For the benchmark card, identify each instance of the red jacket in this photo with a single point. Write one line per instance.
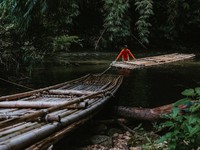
(125, 54)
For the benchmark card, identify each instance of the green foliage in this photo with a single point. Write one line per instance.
(116, 20)
(39, 21)
(181, 17)
(184, 129)
(28, 57)
(145, 10)
(61, 14)
(31, 20)
(28, 13)
(64, 42)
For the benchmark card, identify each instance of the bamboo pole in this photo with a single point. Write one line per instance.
(15, 128)
(71, 92)
(6, 138)
(45, 143)
(36, 104)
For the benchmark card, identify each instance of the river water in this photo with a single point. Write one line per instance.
(147, 87)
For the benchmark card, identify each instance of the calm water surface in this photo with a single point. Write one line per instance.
(147, 87)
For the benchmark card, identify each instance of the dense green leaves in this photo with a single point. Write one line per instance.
(188, 92)
(64, 42)
(184, 129)
(116, 19)
(145, 10)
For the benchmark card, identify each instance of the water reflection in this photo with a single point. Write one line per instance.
(124, 72)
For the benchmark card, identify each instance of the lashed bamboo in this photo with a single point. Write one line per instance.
(151, 61)
(71, 92)
(56, 96)
(46, 111)
(19, 142)
(36, 104)
(57, 117)
(26, 94)
(16, 128)
(4, 139)
(47, 142)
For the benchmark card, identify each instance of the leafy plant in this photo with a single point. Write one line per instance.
(64, 42)
(145, 10)
(29, 57)
(183, 124)
(116, 19)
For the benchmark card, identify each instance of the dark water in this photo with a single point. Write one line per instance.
(147, 87)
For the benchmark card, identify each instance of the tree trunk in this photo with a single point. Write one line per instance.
(149, 114)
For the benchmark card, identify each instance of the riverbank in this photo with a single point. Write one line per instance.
(110, 135)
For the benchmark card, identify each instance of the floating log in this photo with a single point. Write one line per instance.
(149, 114)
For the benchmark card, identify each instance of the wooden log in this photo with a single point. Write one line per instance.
(149, 114)
(71, 92)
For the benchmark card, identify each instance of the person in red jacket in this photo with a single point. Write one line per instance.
(125, 53)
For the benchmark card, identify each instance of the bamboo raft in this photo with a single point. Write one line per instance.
(37, 119)
(152, 61)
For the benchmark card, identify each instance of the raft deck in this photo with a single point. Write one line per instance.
(37, 119)
(152, 61)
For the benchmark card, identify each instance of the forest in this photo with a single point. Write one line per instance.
(31, 30)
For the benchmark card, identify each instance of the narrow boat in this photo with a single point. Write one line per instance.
(39, 118)
(151, 61)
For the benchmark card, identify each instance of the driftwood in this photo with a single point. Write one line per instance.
(149, 114)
